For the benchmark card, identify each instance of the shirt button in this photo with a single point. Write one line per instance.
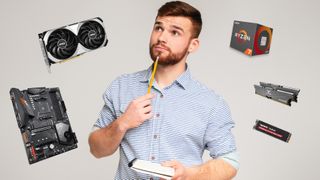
(151, 178)
(157, 115)
(155, 136)
(152, 158)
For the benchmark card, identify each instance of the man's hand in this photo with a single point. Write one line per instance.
(138, 111)
(216, 169)
(180, 172)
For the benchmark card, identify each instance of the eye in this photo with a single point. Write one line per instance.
(158, 28)
(175, 33)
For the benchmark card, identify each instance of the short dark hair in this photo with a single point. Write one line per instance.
(178, 8)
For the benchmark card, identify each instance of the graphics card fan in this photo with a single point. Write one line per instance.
(91, 35)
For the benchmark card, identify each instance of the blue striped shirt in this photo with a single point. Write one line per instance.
(188, 119)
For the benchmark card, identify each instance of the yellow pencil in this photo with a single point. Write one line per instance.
(152, 75)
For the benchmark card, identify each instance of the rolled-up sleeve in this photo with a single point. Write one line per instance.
(219, 139)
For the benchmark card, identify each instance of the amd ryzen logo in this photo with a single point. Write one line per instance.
(242, 36)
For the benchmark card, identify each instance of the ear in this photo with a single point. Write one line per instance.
(194, 45)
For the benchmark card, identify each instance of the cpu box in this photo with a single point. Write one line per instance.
(251, 38)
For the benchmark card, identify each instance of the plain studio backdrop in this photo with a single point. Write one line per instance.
(293, 61)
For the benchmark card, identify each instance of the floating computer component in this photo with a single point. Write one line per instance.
(272, 131)
(251, 38)
(64, 43)
(43, 122)
(278, 93)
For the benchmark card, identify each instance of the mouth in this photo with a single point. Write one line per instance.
(160, 48)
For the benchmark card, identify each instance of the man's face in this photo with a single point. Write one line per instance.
(170, 37)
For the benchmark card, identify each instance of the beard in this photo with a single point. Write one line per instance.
(170, 59)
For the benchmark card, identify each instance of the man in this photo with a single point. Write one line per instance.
(178, 120)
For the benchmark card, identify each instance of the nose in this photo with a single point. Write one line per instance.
(162, 38)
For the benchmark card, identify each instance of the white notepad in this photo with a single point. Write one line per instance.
(150, 168)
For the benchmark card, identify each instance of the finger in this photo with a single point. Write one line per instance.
(168, 163)
(149, 116)
(145, 97)
(147, 109)
(176, 177)
(145, 103)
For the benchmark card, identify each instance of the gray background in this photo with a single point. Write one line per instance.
(293, 61)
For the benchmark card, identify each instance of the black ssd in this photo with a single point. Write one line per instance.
(272, 131)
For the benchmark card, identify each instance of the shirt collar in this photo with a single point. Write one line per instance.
(183, 80)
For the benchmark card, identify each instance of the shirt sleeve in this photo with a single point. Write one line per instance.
(107, 113)
(232, 158)
(219, 139)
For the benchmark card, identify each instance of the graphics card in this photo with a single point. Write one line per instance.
(43, 122)
(64, 43)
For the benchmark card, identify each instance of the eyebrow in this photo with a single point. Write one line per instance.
(173, 26)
